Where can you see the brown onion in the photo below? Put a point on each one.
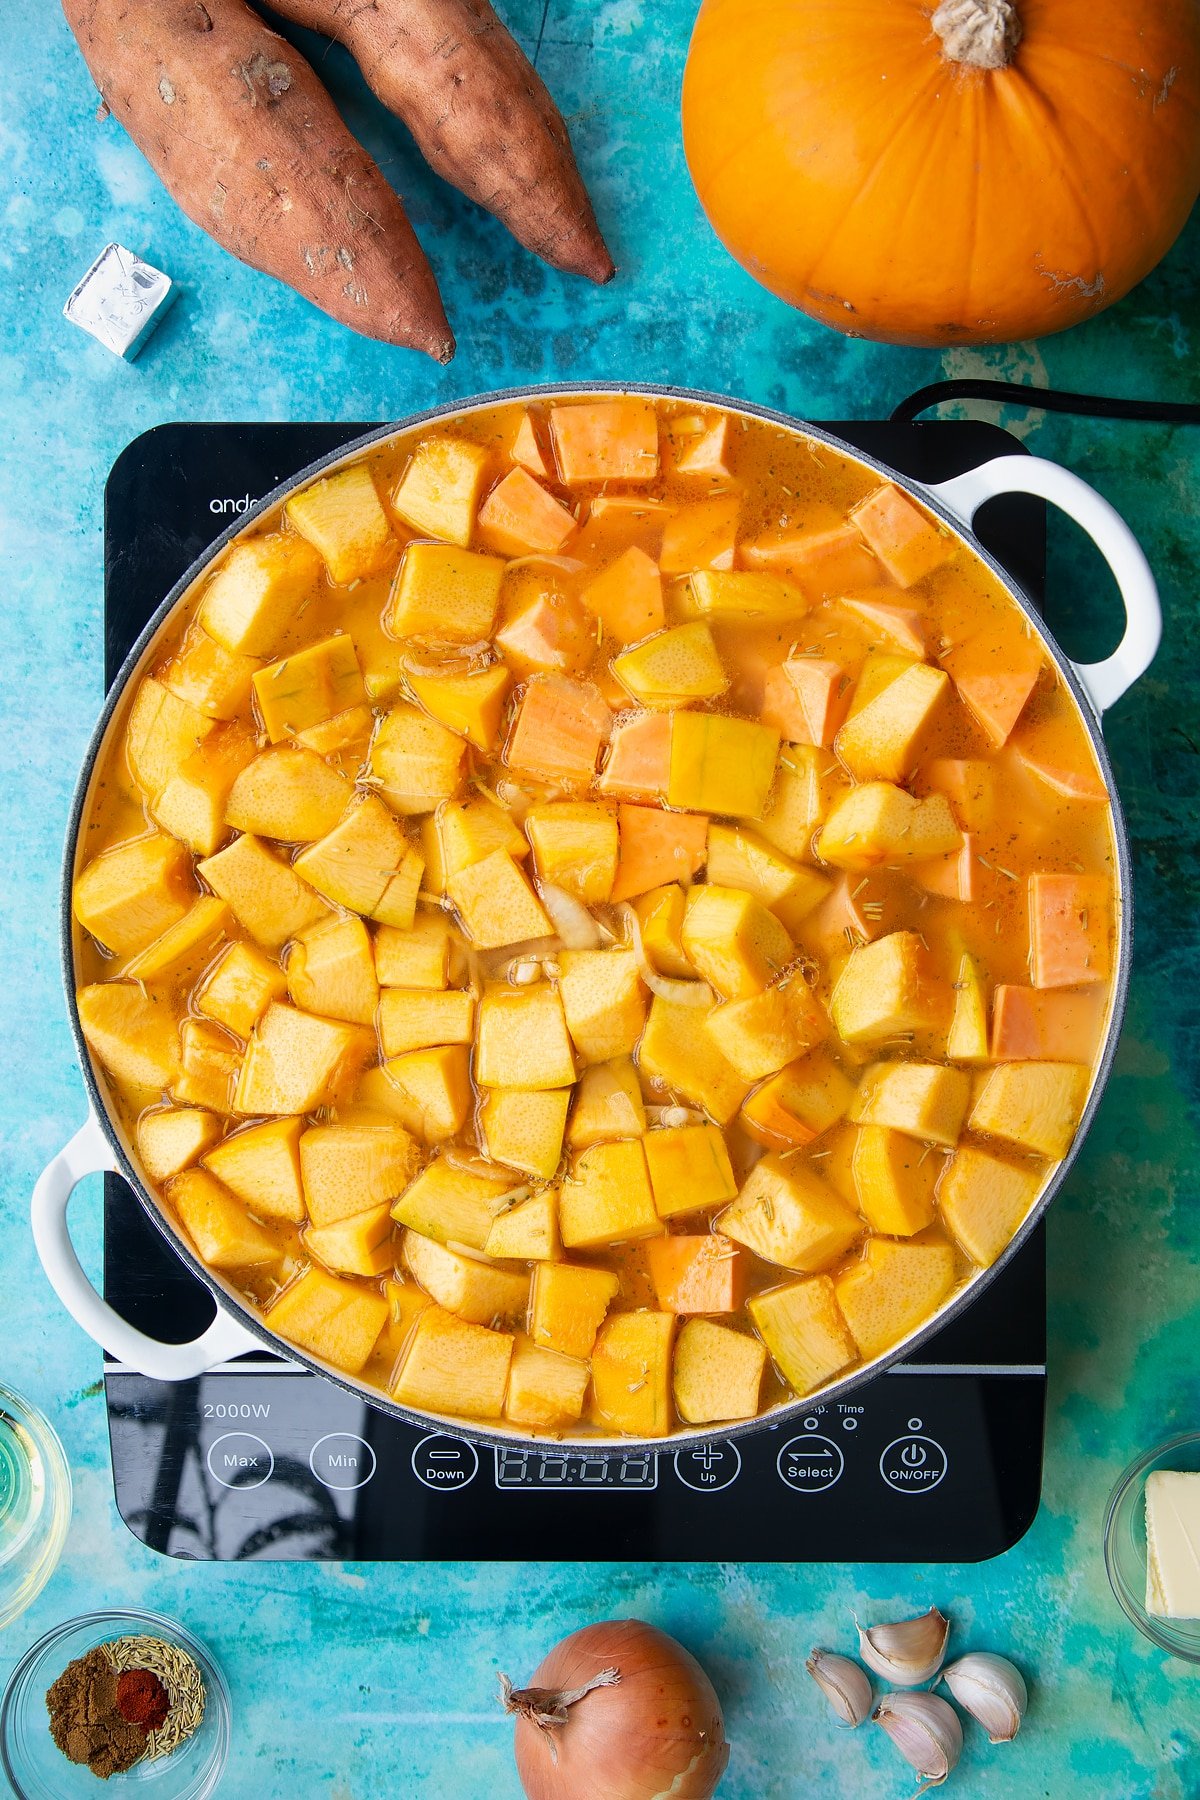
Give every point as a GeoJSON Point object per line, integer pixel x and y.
{"type": "Point", "coordinates": [618, 1711]}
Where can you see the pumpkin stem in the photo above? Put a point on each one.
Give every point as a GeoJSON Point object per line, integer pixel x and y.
{"type": "Point", "coordinates": [983, 34]}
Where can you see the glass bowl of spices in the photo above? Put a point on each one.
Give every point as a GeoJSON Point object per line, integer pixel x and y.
{"type": "Point", "coordinates": [1152, 1545]}
{"type": "Point", "coordinates": [123, 1696]}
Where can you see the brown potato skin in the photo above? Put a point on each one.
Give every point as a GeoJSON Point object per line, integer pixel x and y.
{"type": "Point", "coordinates": [479, 112]}
{"type": "Point", "coordinates": [253, 149]}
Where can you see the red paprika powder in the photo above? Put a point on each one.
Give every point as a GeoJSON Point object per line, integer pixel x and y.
{"type": "Point", "coordinates": [142, 1698]}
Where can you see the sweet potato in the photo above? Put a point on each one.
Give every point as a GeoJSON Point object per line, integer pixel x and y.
{"type": "Point", "coordinates": [252, 148]}
{"type": "Point", "coordinates": [478, 111]}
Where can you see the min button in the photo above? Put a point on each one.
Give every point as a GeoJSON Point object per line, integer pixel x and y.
{"type": "Point", "coordinates": [342, 1461]}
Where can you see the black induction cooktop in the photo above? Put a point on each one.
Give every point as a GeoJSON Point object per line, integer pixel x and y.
{"type": "Point", "coordinates": [937, 1461]}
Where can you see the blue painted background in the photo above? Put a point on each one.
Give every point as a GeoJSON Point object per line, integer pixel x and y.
{"type": "Point", "coordinates": [358, 1681]}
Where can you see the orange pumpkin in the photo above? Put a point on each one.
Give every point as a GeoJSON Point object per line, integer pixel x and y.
{"type": "Point", "coordinates": [985, 171]}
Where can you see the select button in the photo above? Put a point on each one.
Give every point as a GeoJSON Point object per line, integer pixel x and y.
{"type": "Point", "coordinates": [342, 1461]}
{"type": "Point", "coordinates": [240, 1460]}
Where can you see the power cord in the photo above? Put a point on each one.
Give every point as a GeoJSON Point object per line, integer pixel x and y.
{"type": "Point", "coordinates": [1095, 406]}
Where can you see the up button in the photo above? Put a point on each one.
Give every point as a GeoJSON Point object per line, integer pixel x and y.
{"type": "Point", "coordinates": [913, 1464]}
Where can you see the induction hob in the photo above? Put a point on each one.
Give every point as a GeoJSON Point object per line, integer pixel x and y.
{"type": "Point", "coordinates": [939, 1460]}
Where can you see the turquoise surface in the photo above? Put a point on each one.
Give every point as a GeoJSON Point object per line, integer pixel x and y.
{"type": "Point", "coordinates": [351, 1682]}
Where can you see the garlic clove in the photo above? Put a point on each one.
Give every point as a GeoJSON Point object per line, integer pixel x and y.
{"type": "Point", "coordinates": [907, 1652]}
{"type": "Point", "coordinates": [925, 1730]}
{"type": "Point", "coordinates": [843, 1684]}
{"type": "Point", "coordinates": [992, 1690]}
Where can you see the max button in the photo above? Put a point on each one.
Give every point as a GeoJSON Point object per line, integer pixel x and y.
{"type": "Point", "coordinates": [240, 1460]}
{"type": "Point", "coordinates": [445, 1463]}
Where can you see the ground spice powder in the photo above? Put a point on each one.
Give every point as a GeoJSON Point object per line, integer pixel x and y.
{"type": "Point", "coordinates": [86, 1722]}
{"type": "Point", "coordinates": [142, 1698]}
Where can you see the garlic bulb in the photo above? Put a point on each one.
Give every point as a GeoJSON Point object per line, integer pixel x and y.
{"type": "Point", "coordinates": [843, 1684]}
{"type": "Point", "coordinates": [925, 1730]}
{"type": "Point", "coordinates": [992, 1690]}
{"type": "Point", "coordinates": [908, 1652]}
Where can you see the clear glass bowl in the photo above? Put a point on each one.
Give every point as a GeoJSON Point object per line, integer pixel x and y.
{"type": "Point", "coordinates": [36, 1767]}
{"type": "Point", "coordinates": [1125, 1545]}
{"type": "Point", "coordinates": [35, 1503]}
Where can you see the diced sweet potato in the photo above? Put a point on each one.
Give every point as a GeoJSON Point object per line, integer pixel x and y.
{"type": "Point", "coordinates": [704, 1274]}
{"type": "Point", "coordinates": [567, 1306]}
{"type": "Point", "coordinates": [681, 1058]}
{"type": "Point", "coordinates": [953, 877]}
{"type": "Point", "coordinates": [604, 1002]}
{"type": "Point", "coordinates": [627, 597]}
{"type": "Point", "coordinates": [805, 699]}
{"type": "Point", "coordinates": [261, 1165]}
{"type": "Point", "coordinates": [496, 903]}
{"type": "Point", "coordinates": [439, 490]}
{"type": "Point", "coordinates": [803, 1328]}
{"type": "Point", "coordinates": [337, 1321]}
{"type": "Point", "coordinates": [445, 595]}
{"type": "Point", "coordinates": [559, 730]}
{"type": "Point", "coordinates": [893, 1289]}
{"type": "Point", "coordinates": [523, 1040]}
{"type": "Point", "coordinates": [1032, 1025]}
{"type": "Point", "coordinates": [182, 951]}
{"type": "Point", "coordinates": [130, 895]}
{"type": "Point", "coordinates": [899, 628]}
{"type": "Point", "coordinates": [763, 1033]}
{"type": "Point", "coordinates": [638, 766]}
{"type": "Point", "coordinates": [545, 1391]}
{"type": "Point", "coordinates": [799, 799]}
{"type": "Point", "coordinates": [701, 536]}
{"type": "Point", "coordinates": [257, 591]}
{"type": "Point", "coordinates": [1070, 927]}
{"type": "Point", "coordinates": [882, 741]}
{"type": "Point", "coordinates": [631, 1373]}
{"type": "Point", "coordinates": [798, 1103]}
{"type": "Point", "coordinates": [894, 1179]}
{"type": "Point", "coordinates": [575, 847]}
{"type": "Point", "coordinates": [689, 1169]}
{"type": "Point", "coordinates": [886, 990]}
{"type": "Point", "coordinates": [528, 1231]}
{"type": "Point", "coordinates": [308, 687]}
{"type": "Point", "coordinates": [362, 1244]}
{"type": "Point", "coordinates": [343, 519]}
{"type": "Point", "coordinates": [474, 1290]}
{"type": "Point", "coordinates": [673, 668]}
{"type": "Point", "coordinates": [605, 440]}
{"type": "Point", "coordinates": [908, 543]}
{"type": "Point", "coordinates": [717, 1373]}
{"type": "Point", "coordinates": [523, 1127]}
{"type": "Point", "coordinates": [607, 1104]}
{"type": "Point", "coordinates": [527, 449]}
{"type": "Point", "coordinates": [1050, 752]}
{"type": "Point", "coordinates": [221, 1230]}
{"type": "Point", "coordinates": [720, 764]}
{"type": "Point", "coordinates": [924, 1100]}
{"type": "Point", "coordinates": [995, 676]}
{"type": "Point", "coordinates": [263, 892]}
{"type": "Point", "coordinates": [969, 783]}
{"type": "Point", "coordinates": [416, 1018]}
{"type": "Point", "coordinates": [743, 596]}
{"type": "Point", "coordinates": [657, 847]}
{"type": "Point", "coordinates": [878, 824]}
{"type": "Point", "coordinates": [214, 680]}
{"type": "Point", "coordinates": [240, 987]}
{"type": "Point", "coordinates": [454, 1367]}
{"type": "Point", "coordinates": [471, 705]}
{"type": "Point", "coordinates": [171, 1137]}
{"type": "Point", "coordinates": [544, 630]}
{"type": "Point", "coordinates": [606, 1198]}
{"type": "Point", "coordinates": [211, 1061]}
{"type": "Point", "coordinates": [733, 941]}
{"type": "Point", "coordinates": [823, 562]}
{"type": "Point", "coordinates": [131, 1031]}
{"type": "Point", "coordinates": [738, 858]}
{"type": "Point", "coordinates": [415, 761]}
{"type": "Point", "coordinates": [296, 1062]}
{"type": "Point", "coordinates": [289, 794]}
{"type": "Point", "coordinates": [1035, 1105]}
{"type": "Point", "coordinates": [520, 517]}
{"type": "Point", "coordinates": [982, 1201]}
{"type": "Point", "coordinates": [786, 1215]}
{"type": "Point", "coordinates": [701, 447]}
{"type": "Point", "coordinates": [418, 957]}
{"type": "Point", "coordinates": [453, 1204]}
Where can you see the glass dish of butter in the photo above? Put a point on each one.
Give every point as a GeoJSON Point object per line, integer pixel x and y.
{"type": "Point", "coordinates": [1152, 1544]}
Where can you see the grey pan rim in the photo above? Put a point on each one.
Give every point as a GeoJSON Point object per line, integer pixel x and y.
{"type": "Point", "coordinates": [789, 1411]}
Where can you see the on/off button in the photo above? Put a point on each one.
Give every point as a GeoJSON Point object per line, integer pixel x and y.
{"type": "Point", "coordinates": [913, 1464]}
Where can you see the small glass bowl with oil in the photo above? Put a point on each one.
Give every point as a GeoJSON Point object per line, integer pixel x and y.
{"type": "Point", "coordinates": [35, 1503]}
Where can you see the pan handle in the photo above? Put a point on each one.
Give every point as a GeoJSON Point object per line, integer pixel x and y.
{"type": "Point", "coordinates": [1102, 682]}
{"type": "Point", "coordinates": [89, 1153]}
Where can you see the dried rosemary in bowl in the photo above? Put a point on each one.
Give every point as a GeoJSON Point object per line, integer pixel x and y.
{"type": "Point", "coordinates": [182, 1680]}
{"type": "Point", "coordinates": [126, 1702]}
